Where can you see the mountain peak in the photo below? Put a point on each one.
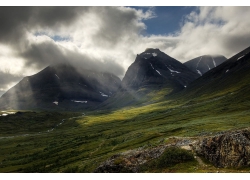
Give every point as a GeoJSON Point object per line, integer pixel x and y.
{"type": "Point", "coordinates": [151, 49]}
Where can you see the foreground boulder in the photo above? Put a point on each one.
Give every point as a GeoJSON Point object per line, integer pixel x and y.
{"type": "Point", "coordinates": [130, 161]}
{"type": "Point", "coordinates": [230, 149]}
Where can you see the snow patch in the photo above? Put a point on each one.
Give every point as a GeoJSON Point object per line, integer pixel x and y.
{"type": "Point", "coordinates": [213, 61]}
{"type": "Point", "coordinates": [79, 101]}
{"type": "Point", "coordinates": [208, 67]}
{"type": "Point", "coordinates": [240, 57]}
{"type": "Point", "coordinates": [171, 70]}
{"type": "Point", "coordinates": [145, 58]}
{"type": "Point", "coordinates": [199, 72]}
{"type": "Point", "coordinates": [227, 70]}
{"type": "Point", "coordinates": [57, 76]}
{"type": "Point", "coordinates": [103, 94]}
{"type": "Point", "coordinates": [154, 54]}
{"type": "Point", "coordinates": [151, 65]}
{"type": "Point", "coordinates": [198, 65]}
{"type": "Point", "coordinates": [56, 103]}
{"type": "Point", "coordinates": [185, 86]}
{"type": "Point", "coordinates": [158, 72]}
{"type": "Point", "coordinates": [4, 114]}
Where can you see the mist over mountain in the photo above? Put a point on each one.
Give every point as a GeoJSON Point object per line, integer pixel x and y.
{"type": "Point", "coordinates": [61, 86]}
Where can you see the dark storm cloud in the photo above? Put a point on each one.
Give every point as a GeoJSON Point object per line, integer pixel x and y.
{"type": "Point", "coordinates": [48, 53]}
{"type": "Point", "coordinates": [18, 20]}
{"type": "Point", "coordinates": [15, 21]}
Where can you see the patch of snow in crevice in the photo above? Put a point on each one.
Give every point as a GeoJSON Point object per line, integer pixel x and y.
{"type": "Point", "coordinates": [208, 67]}
{"type": "Point", "coordinates": [103, 94]}
{"type": "Point", "coordinates": [198, 63]}
{"type": "Point", "coordinates": [240, 57]}
{"type": "Point", "coordinates": [213, 61]}
{"type": "Point", "coordinates": [185, 86]}
{"type": "Point", "coordinates": [171, 70]}
{"type": "Point", "coordinates": [158, 72]}
{"type": "Point", "coordinates": [57, 76]}
{"type": "Point", "coordinates": [151, 65]}
{"type": "Point", "coordinates": [154, 54]}
{"type": "Point", "coordinates": [4, 114]}
{"type": "Point", "coordinates": [56, 103]}
{"type": "Point", "coordinates": [199, 72]}
{"type": "Point", "coordinates": [227, 70]}
{"type": "Point", "coordinates": [79, 101]}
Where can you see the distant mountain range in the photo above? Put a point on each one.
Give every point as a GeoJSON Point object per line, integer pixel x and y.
{"type": "Point", "coordinates": [205, 63]}
{"type": "Point", "coordinates": [151, 77]}
{"type": "Point", "coordinates": [233, 75]}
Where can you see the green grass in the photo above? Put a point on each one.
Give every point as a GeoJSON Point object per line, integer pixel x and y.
{"type": "Point", "coordinates": [81, 144]}
{"type": "Point", "coordinates": [170, 158]}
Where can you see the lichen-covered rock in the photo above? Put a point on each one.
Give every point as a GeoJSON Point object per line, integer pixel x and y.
{"type": "Point", "coordinates": [130, 161]}
{"type": "Point", "coordinates": [230, 149]}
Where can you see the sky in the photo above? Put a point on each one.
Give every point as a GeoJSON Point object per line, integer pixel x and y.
{"type": "Point", "coordinates": [108, 38]}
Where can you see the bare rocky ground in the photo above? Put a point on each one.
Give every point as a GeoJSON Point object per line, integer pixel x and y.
{"type": "Point", "coordinates": [224, 152]}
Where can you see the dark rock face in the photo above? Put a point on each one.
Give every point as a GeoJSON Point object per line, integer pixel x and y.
{"type": "Point", "coordinates": [155, 67]}
{"type": "Point", "coordinates": [205, 63]}
{"type": "Point", "coordinates": [231, 149]}
{"type": "Point", "coordinates": [61, 86]}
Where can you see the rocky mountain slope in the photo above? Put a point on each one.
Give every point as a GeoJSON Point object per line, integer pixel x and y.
{"type": "Point", "coordinates": [155, 67]}
{"type": "Point", "coordinates": [232, 76]}
{"type": "Point", "coordinates": [150, 78]}
{"type": "Point", "coordinates": [204, 63]}
{"type": "Point", "coordinates": [61, 87]}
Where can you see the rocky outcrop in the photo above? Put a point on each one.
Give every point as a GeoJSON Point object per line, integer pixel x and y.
{"type": "Point", "coordinates": [225, 149]}
{"type": "Point", "coordinates": [130, 161]}
{"type": "Point", "coordinates": [230, 149]}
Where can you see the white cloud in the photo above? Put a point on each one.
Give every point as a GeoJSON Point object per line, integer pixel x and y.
{"type": "Point", "coordinates": [112, 36]}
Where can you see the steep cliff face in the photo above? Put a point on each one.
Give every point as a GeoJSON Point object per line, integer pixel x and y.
{"type": "Point", "coordinates": [231, 149]}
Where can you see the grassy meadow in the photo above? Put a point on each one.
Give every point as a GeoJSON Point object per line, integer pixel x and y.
{"type": "Point", "coordinates": [81, 142]}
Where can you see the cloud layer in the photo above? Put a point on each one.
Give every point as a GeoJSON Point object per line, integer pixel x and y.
{"type": "Point", "coordinates": [108, 38]}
